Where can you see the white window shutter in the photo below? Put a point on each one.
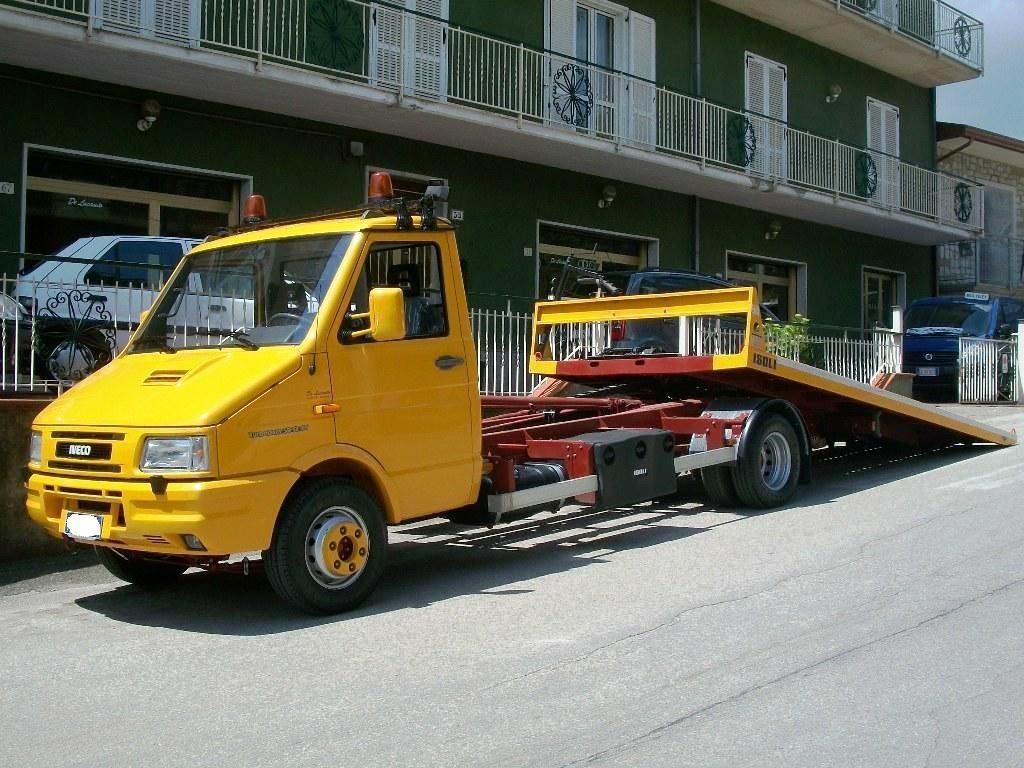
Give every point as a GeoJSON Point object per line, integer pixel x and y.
{"type": "Point", "coordinates": [757, 95]}
{"type": "Point", "coordinates": [891, 119]}
{"type": "Point", "coordinates": [427, 48]}
{"type": "Point", "coordinates": [561, 32]}
{"type": "Point", "coordinates": [385, 46]}
{"type": "Point", "coordinates": [643, 94]}
{"type": "Point", "coordinates": [176, 19]}
{"type": "Point", "coordinates": [778, 99]}
{"type": "Point", "coordinates": [124, 14]}
{"type": "Point", "coordinates": [884, 143]}
{"type": "Point", "coordinates": [876, 136]}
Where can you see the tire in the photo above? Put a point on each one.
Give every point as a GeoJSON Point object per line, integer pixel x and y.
{"type": "Point", "coordinates": [770, 474]}
{"type": "Point", "coordinates": [137, 570]}
{"type": "Point", "coordinates": [329, 549]}
{"type": "Point", "coordinates": [719, 486]}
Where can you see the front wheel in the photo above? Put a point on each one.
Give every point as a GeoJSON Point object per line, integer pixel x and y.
{"type": "Point", "coordinates": [138, 570]}
{"type": "Point", "coordinates": [768, 475]}
{"type": "Point", "coordinates": [329, 549]}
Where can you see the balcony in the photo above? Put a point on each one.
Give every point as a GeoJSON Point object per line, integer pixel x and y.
{"type": "Point", "coordinates": [926, 42]}
{"type": "Point", "coordinates": [994, 265]}
{"type": "Point", "coordinates": [351, 63]}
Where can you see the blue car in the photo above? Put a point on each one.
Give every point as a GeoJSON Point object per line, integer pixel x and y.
{"type": "Point", "coordinates": [932, 331]}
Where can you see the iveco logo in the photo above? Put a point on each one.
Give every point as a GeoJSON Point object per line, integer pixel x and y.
{"type": "Point", "coordinates": [928, 356]}
{"type": "Point", "coordinates": [79, 450]}
{"type": "Point", "coordinates": [639, 472]}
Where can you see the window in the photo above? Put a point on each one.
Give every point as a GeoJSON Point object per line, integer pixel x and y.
{"type": "Point", "coordinates": [763, 148]}
{"type": "Point", "coordinates": [135, 264]}
{"type": "Point", "coordinates": [777, 282]}
{"type": "Point", "coordinates": [878, 175]}
{"type": "Point", "coordinates": [1000, 211]}
{"type": "Point", "coordinates": [881, 291]}
{"type": "Point", "coordinates": [597, 99]}
{"type": "Point", "coordinates": [410, 50]}
{"type": "Point", "coordinates": [614, 256]}
{"type": "Point", "coordinates": [416, 269]}
{"type": "Point", "coordinates": [71, 196]}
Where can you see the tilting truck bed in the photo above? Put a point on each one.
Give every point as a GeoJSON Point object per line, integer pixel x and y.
{"type": "Point", "coordinates": [736, 360]}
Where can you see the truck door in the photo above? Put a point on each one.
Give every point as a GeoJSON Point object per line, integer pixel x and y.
{"type": "Point", "coordinates": [412, 403]}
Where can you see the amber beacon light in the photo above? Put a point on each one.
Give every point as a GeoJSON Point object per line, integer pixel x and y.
{"type": "Point", "coordinates": [255, 209]}
{"type": "Point", "coordinates": [381, 189]}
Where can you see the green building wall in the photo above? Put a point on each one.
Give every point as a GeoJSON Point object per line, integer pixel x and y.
{"type": "Point", "coordinates": [301, 168]}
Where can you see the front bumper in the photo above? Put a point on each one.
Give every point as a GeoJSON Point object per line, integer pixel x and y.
{"type": "Point", "coordinates": [228, 516]}
{"type": "Point", "coordinates": [946, 376]}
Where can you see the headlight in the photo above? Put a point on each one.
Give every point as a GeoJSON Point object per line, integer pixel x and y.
{"type": "Point", "coordinates": [175, 454]}
{"type": "Point", "coordinates": [35, 447]}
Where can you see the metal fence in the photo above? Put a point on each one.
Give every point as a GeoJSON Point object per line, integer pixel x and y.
{"type": "Point", "coordinates": [988, 372]}
{"type": "Point", "coordinates": [854, 353]}
{"type": "Point", "coordinates": [53, 335]}
{"type": "Point", "coordinates": [422, 56]}
{"type": "Point", "coordinates": [933, 22]}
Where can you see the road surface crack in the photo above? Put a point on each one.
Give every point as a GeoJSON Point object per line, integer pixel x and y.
{"type": "Point", "coordinates": [656, 732]}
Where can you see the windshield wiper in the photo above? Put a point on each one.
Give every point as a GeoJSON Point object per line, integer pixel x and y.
{"type": "Point", "coordinates": [242, 337]}
{"type": "Point", "coordinates": [157, 344]}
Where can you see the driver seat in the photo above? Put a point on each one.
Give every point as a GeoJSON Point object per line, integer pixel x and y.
{"type": "Point", "coordinates": [417, 308]}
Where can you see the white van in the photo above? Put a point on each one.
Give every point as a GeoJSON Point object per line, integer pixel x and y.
{"type": "Point", "coordinates": [86, 299]}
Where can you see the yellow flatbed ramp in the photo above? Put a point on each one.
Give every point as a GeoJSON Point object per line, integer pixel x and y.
{"type": "Point", "coordinates": [721, 351]}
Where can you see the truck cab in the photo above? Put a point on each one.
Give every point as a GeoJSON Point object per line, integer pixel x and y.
{"type": "Point", "coordinates": [933, 328]}
{"type": "Point", "coordinates": [331, 393]}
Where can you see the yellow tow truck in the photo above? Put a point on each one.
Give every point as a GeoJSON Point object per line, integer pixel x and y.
{"type": "Point", "coordinates": [299, 386]}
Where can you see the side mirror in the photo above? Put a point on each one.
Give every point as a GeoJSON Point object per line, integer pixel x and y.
{"type": "Point", "coordinates": [386, 316]}
{"type": "Point", "coordinates": [1004, 331]}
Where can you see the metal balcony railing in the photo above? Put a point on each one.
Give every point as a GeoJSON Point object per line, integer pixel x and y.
{"type": "Point", "coordinates": [991, 262]}
{"type": "Point", "coordinates": [419, 56]}
{"type": "Point", "coordinates": [933, 22]}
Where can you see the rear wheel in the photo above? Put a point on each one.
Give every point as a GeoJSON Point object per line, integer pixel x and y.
{"type": "Point", "coordinates": [329, 549]}
{"type": "Point", "coordinates": [719, 486]}
{"type": "Point", "coordinates": [768, 475]}
{"type": "Point", "coordinates": [138, 570]}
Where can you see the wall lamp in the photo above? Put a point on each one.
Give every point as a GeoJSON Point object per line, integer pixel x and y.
{"type": "Point", "coordinates": [834, 92]}
{"type": "Point", "coordinates": [150, 110]}
{"type": "Point", "coordinates": [773, 231]}
{"type": "Point", "coordinates": [608, 195]}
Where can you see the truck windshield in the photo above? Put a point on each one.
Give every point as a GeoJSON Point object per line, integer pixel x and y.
{"type": "Point", "coordinates": [966, 318]}
{"type": "Point", "coordinates": [265, 293]}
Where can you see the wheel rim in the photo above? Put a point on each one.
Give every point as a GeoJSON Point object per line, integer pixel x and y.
{"type": "Point", "coordinates": [776, 461]}
{"type": "Point", "coordinates": [337, 547]}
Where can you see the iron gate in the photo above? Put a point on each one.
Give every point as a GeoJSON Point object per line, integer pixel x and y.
{"type": "Point", "coordinates": [988, 370]}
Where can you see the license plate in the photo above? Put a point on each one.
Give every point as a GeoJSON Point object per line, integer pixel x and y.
{"type": "Point", "coordinates": [83, 526]}
{"type": "Point", "coordinates": [931, 371]}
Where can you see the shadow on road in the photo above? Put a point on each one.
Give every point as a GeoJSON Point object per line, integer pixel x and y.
{"type": "Point", "coordinates": [41, 567]}
{"type": "Point", "coordinates": [438, 560]}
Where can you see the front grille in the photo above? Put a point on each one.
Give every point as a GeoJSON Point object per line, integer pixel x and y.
{"type": "Point", "coordinates": [84, 451]}
{"type": "Point", "coordinates": [88, 435]}
{"type": "Point", "coordinates": [153, 538]}
{"type": "Point", "coordinates": [938, 358]}
{"type": "Point", "coordinates": [80, 466]}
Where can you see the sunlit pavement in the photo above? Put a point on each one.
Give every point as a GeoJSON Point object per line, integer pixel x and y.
{"type": "Point", "coordinates": [878, 621]}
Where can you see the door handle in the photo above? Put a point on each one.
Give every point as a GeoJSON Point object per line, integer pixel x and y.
{"type": "Point", "coordinates": [446, 362]}
{"type": "Point", "coordinates": [218, 308]}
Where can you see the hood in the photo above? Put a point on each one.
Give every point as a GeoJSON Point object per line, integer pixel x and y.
{"type": "Point", "coordinates": [935, 342]}
{"type": "Point", "coordinates": [191, 388]}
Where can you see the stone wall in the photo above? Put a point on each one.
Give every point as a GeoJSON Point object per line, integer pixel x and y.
{"type": "Point", "coordinates": [19, 537]}
{"type": "Point", "coordinates": [981, 169]}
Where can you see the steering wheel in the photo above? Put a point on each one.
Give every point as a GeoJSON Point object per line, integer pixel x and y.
{"type": "Point", "coordinates": [284, 318]}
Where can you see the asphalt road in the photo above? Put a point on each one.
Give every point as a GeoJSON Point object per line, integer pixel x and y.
{"type": "Point", "coordinates": [877, 622]}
